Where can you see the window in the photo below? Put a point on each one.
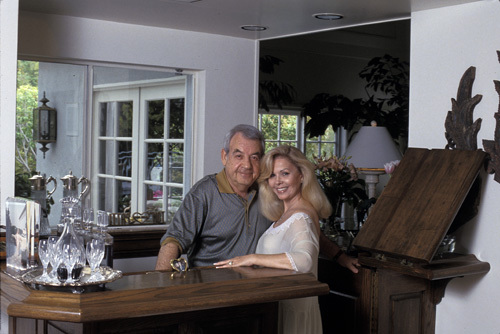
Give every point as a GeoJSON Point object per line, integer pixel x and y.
{"type": "Point", "coordinates": [140, 145]}
{"type": "Point", "coordinates": [286, 127]}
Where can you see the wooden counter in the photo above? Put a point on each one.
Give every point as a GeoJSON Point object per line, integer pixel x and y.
{"type": "Point", "coordinates": [222, 300]}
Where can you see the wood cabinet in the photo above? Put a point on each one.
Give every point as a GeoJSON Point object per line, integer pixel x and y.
{"type": "Point", "coordinates": [136, 241]}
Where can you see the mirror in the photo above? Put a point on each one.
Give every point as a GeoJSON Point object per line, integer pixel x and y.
{"type": "Point", "coordinates": [126, 129]}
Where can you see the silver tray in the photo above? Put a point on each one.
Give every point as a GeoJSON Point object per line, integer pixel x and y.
{"type": "Point", "coordinates": [31, 278]}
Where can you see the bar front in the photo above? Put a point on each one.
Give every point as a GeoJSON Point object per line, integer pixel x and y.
{"type": "Point", "coordinates": [242, 300]}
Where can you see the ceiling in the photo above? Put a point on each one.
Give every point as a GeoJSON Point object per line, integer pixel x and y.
{"type": "Point", "coordinates": [225, 17]}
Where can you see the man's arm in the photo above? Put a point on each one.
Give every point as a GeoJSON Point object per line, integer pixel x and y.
{"type": "Point", "coordinates": [168, 251]}
{"type": "Point", "coordinates": [332, 251]}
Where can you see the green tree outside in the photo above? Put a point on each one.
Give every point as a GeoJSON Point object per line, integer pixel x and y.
{"type": "Point", "coordinates": [26, 101]}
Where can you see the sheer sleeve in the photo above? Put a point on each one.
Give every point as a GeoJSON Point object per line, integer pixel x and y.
{"type": "Point", "coordinates": [304, 243]}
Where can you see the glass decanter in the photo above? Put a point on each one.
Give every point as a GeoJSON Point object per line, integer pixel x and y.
{"type": "Point", "coordinates": [69, 242]}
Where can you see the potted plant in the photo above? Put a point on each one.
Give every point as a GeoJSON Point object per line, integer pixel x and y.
{"type": "Point", "coordinates": [273, 92]}
{"type": "Point", "coordinates": [387, 90]}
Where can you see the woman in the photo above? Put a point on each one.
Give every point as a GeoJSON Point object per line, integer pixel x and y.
{"type": "Point", "coordinates": [292, 198]}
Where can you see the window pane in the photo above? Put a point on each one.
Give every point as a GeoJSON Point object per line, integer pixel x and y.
{"type": "Point", "coordinates": [329, 135]}
{"type": "Point", "coordinates": [269, 124]}
{"type": "Point", "coordinates": [175, 163]}
{"type": "Point", "coordinates": [155, 162]}
{"type": "Point", "coordinates": [176, 121]}
{"type": "Point", "coordinates": [154, 198]}
{"type": "Point", "coordinates": [124, 167]}
{"type": "Point", "coordinates": [125, 119]}
{"type": "Point", "coordinates": [174, 201]}
{"type": "Point", "coordinates": [156, 118]}
{"type": "Point", "coordinates": [271, 145]}
{"type": "Point", "coordinates": [105, 189]}
{"type": "Point", "coordinates": [311, 150]}
{"type": "Point", "coordinates": [123, 195]}
{"type": "Point", "coordinates": [106, 157]}
{"type": "Point", "coordinates": [327, 149]}
{"type": "Point", "coordinates": [289, 127]}
{"type": "Point", "coordinates": [106, 120]}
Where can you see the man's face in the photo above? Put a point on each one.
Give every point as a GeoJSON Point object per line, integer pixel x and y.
{"type": "Point", "coordinates": [242, 163]}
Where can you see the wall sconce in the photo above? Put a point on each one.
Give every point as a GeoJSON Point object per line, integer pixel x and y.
{"type": "Point", "coordinates": [44, 125]}
{"type": "Point", "coordinates": [370, 150]}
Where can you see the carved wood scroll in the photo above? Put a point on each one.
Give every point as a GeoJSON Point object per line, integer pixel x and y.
{"type": "Point", "coordinates": [492, 147]}
{"type": "Point", "coordinates": [461, 131]}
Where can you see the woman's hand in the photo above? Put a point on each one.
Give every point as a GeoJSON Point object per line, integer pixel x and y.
{"type": "Point", "coordinates": [239, 261]}
{"type": "Point", "coordinates": [348, 262]}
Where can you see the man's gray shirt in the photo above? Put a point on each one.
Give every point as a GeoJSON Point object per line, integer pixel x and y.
{"type": "Point", "coordinates": [213, 223]}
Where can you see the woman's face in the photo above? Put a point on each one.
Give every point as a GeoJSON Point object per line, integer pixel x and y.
{"type": "Point", "coordinates": [286, 179]}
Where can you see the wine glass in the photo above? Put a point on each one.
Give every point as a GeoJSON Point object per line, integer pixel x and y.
{"type": "Point", "coordinates": [53, 255]}
{"type": "Point", "coordinates": [44, 255]}
{"type": "Point", "coordinates": [88, 218]}
{"type": "Point", "coordinates": [71, 255]}
{"type": "Point", "coordinates": [95, 254]}
{"type": "Point", "coordinates": [63, 261]}
{"type": "Point", "coordinates": [102, 221]}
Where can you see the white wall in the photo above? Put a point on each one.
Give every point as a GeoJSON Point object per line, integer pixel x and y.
{"type": "Point", "coordinates": [444, 43]}
{"type": "Point", "coordinates": [225, 67]}
{"type": "Point", "coordinates": [8, 58]}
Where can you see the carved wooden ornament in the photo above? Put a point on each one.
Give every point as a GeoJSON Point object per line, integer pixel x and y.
{"type": "Point", "coordinates": [492, 147]}
{"type": "Point", "coordinates": [461, 131]}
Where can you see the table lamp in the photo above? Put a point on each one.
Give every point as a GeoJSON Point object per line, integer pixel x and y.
{"type": "Point", "coordinates": [370, 149]}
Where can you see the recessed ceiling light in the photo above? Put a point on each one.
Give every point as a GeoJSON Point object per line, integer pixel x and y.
{"type": "Point", "coordinates": [328, 16]}
{"type": "Point", "coordinates": [253, 28]}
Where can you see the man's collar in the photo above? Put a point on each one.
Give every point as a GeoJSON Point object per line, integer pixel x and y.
{"type": "Point", "coordinates": [225, 186]}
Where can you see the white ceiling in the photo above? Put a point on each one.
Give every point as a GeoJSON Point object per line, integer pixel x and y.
{"type": "Point", "coordinates": [225, 17]}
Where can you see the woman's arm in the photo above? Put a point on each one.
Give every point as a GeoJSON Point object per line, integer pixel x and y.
{"type": "Point", "coordinates": [279, 261]}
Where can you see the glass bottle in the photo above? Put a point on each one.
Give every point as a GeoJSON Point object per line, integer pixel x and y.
{"type": "Point", "coordinates": [72, 245]}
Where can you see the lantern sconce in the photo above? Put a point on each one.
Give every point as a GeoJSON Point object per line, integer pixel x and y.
{"type": "Point", "coordinates": [44, 125]}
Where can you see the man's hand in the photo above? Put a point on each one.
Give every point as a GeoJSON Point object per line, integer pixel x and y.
{"type": "Point", "coordinates": [167, 252]}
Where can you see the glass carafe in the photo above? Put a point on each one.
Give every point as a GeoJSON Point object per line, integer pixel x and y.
{"type": "Point", "coordinates": [70, 186]}
{"type": "Point", "coordinates": [72, 251]}
{"type": "Point", "coordinates": [39, 194]}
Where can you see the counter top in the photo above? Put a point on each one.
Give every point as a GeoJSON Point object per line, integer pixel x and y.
{"type": "Point", "coordinates": [157, 293]}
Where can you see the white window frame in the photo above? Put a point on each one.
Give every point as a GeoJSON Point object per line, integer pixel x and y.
{"type": "Point", "coordinates": [340, 136]}
{"type": "Point", "coordinates": [178, 89]}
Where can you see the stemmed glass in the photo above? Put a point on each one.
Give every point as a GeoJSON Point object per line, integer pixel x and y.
{"type": "Point", "coordinates": [95, 254]}
{"type": "Point", "coordinates": [71, 255]}
{"type": "Point", "coordinates": [88, 219]}
{"type": "Point", "coordinates": [44, 255]}
{"type": "Point", "coordinates": [102, 221]}
{"type": "Point", "coordinates": [54, 257]}
{"type": "Point", "coordinates": [62, 260]}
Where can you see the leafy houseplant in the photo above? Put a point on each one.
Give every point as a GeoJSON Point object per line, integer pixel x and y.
{"type": "Point", "coordinates": [387, 90]}
{"type": "Point", "coordinates": [273, 92]}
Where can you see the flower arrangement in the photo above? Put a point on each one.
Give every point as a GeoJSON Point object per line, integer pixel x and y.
{"type": "Point", "coordinates": [340, 182]}
{"type": "Point", "coordinates": [391, 166]}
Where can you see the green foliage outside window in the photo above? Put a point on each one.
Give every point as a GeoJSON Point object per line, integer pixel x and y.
{"type": "Point", "coordinates": [27, 100]}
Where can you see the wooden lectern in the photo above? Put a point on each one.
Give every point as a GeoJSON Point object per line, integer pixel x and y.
{"type": "Point", "coordinates": [403, 278]}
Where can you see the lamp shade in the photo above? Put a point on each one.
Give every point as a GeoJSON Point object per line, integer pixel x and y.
{"type": "Point", "coordinates": [372, 147]}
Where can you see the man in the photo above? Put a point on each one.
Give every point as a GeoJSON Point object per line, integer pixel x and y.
{"type": "Point", "coordinates": [219, 218]}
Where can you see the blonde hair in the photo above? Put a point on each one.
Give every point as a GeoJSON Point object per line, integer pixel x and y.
{"type": "Point", "coordinates": [271, 206]}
